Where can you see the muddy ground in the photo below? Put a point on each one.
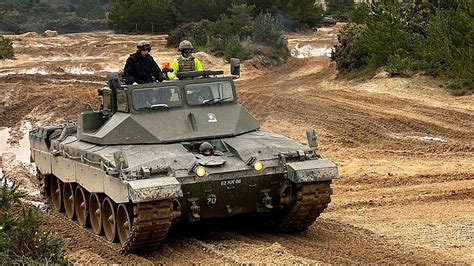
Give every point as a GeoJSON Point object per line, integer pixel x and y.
{"type": "Point", "coordinates": [404, 147]}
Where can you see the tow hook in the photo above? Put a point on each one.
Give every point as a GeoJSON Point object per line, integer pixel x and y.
{"type": "Point", "coordinates": [266, 203]}
{"type": "Point", "coordinates": [195, 210]}
{"type": "Point", "coordinates": [267, 200]}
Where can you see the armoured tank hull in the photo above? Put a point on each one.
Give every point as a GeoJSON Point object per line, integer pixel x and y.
{"type": "Point", "coordinates": [132, 193]}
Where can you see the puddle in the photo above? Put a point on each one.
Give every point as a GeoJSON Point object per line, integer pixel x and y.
{"type": "Point", "coordinates": [38, 204]}
{"type": "Point", "coordinates": [66, 58]}
{"type": "Point", "coordinates": [29, 71]}
{"type": "Point", "coordinates": [80, 70]}
{"type": "Point", "coordinates": [22, 150]}
{"type": "Point", "coordinates": [326, 29]}
{"type": "Point", "coordinates": [75, 70]}
{"type": "Point", "coordinates": [435, 139]}
{"type": "Point", "coordinates": [309, 51]}
{"type": "Point", "coordinates": [422, 138]}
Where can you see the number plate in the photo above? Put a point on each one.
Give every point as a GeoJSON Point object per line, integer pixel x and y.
{"type": "Point", "coordinates": [231, 182]}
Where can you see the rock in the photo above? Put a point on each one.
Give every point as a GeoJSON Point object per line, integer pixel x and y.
{"type": "Point", "coordinates": [50, 33]}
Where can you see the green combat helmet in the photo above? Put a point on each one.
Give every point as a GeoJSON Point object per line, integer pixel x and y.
{"type": "Point", "coordinates": [185, 45]}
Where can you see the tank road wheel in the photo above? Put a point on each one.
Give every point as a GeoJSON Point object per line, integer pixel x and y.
{"type": "Point", "coordinates": [95, 213]}
{"type": "Point", "coordinates": [68, 199]}
{"type": "Point", "coordinates": [56, 193]}
{"type": "Point", "coordinates": [81, 206]}
{"type": "Point", "coordinates": [124, 223]}
{"type": "Point", "coordinates": [108, 219]}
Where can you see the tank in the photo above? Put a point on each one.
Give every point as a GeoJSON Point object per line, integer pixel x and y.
{"type": "Point", "coordinates": [135, 166]}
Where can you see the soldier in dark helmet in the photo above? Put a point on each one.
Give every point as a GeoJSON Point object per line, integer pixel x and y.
{"type": "Point", "coordinates": [206, 149]}
{"type": "Point", "coordinates": [141, 67]}
{"type": "Point", "coordinates": [186, 62]}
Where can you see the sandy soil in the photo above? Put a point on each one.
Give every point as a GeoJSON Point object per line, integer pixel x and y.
{"type": "Point", "coordinates": [404, 147]}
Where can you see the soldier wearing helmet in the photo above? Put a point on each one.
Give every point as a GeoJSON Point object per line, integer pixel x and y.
{"type": "Point", "coordinates": [186, 62]}
{"type": "Point", "coordinates": [141, 67]}
{"type": "Point", "coordinates": [206, 149]}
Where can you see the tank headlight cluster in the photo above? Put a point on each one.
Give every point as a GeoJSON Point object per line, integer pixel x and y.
{"type": "Point", "coordinates": [200, 171]}
{"type": "Point", "coordinates": [258, 165]}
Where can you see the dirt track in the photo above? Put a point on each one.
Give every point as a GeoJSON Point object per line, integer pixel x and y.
{"type": "Point", "coordinates": [404, 147]}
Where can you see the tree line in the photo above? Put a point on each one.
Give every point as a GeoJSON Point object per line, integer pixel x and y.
{"type": "Point", "coordinates": [162, 16]}
{"type": "Point", "coordinates": [435, 38]}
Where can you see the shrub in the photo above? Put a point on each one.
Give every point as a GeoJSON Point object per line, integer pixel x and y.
{"type": "Point", "coordinates": [359, 13]}
{"type": "Point", "coordinates": [401, 64]}
{"type": "Point", "coordinates": [350, 54]}
{"type": "Point", "coordinates": [6, 48]}
{"type": "Point", "coordinates": [267, 30]}
{"type": "Point", "coordinates": [340, 9]}
{"type": "Point", "coordinates": [306, 13]}
{"type": "Point", "coordinates": [226, 36]}
{"type": "Point", "coordinates": [21, 239]}
{"type": "Point", "coordinates": [196, 32]}
{"type": "Point", "coordinates": [234, 49]}
{"type": "Point", "coordinates": [436, 39]}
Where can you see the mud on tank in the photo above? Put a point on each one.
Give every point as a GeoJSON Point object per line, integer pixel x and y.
{"type": "Point", "coordinates": [134, 167]}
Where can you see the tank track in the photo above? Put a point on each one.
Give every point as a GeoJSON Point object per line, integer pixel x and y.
{"type": "Point", "coordinates": [151, 223]}
{"type": "Point", "coordinates": [311, 200]}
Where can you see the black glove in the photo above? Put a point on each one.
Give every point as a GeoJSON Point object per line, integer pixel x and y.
{"type": "Point", "coordinates": [166, 70]}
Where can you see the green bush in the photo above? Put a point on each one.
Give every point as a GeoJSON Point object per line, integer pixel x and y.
{"type": "Point", "coordinates": [234, 49]}
{"type": "Point", "coordinates": [196, 32]}
{"type": "Point", "coordinates": [351, 53]}
{"type": "Point", "coordinates": [401, 64]}
{"type": "Point", "coordinates": [6, 48]}
{"type": "Point", "coordinates": [306, 13]}
{"type": "Point", "coordinates": [340, 9]}
{"type": "Point", "coordinates": [267, 30]}
{"type": "Point", "coordinates": [22, 241]}
{"type": "Point", "coordinates": [228, 34]}
{"type": "Point", "coordinates": [359, 13]}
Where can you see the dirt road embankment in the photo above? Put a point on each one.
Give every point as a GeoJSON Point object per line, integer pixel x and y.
{"type": "Point", "coordinates": [404, 148]}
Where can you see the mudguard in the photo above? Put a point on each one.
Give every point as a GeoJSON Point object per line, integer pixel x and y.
{"type": "Point", "coordinates": [154, 189]}
{"type": "Point", "coordinates": [311, 171]}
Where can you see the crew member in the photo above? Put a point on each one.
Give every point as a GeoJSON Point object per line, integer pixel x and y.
{"type": "Point", "coordinates": [141, 67]}
{"type": "Point", "coordinates": [186, 62]}
{"type": "Point", "coordinates": [206, 149]}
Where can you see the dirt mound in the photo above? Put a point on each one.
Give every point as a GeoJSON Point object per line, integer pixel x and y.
{"type": "Point", "coordinates": [30, 34]}
{"type": "Point", "coordinates": [208, 60]}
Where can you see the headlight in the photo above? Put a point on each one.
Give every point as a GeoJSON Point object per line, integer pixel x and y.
{"type": "Point", "coordinates": [258, 165]}
{"type": "Point", "coordinates": [200, 171]}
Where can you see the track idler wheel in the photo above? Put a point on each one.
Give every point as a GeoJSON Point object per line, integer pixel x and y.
{"type": "Point", "coordinates": [95, 213]}
{"type": "Point", "coordinates": [56, 193]}
{"type": "Point", "coordinates": [68, 200]}
{"type": "Point", "coordinates": [108, 219]}
{"type": "Point", "coordinates": [124, 223]}
{"type": "Point", "coordinates": [81, 206]}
